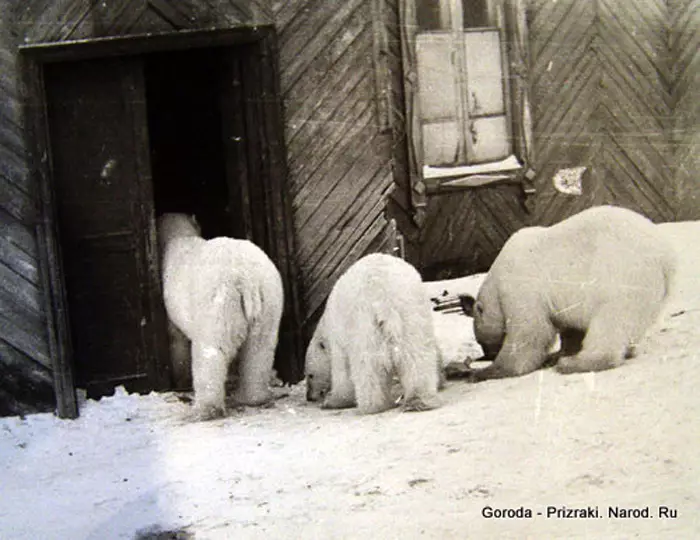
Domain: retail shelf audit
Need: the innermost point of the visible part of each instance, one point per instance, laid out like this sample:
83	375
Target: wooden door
99	142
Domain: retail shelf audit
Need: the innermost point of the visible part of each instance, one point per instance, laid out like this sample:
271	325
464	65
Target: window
466	91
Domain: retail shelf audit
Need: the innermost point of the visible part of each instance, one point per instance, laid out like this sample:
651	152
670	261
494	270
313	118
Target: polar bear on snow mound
377	324
599	279
226	297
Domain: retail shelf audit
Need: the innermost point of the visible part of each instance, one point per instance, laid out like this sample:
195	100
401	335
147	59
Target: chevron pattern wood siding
60	20
685	62
615	86
464	231
26	381
603	82
339	162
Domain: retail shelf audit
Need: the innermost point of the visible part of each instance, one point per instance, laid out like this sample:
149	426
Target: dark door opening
185	121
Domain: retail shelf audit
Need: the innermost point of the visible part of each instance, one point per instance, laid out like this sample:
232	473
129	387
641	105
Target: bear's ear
467	302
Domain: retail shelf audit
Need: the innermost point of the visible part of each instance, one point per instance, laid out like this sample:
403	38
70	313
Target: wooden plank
382	77
314	96
330	119
291	354
29	342
25	386
18	260
308	37
337	238
54	301
685	58
106	47
323	287
336	208
338	156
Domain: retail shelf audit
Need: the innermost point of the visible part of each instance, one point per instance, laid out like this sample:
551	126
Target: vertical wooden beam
409	28
48	247
382	73
519	70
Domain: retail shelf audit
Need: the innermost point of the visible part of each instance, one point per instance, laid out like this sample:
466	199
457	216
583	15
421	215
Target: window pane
489	139
441	143
484	73
475	13
436	77
428	14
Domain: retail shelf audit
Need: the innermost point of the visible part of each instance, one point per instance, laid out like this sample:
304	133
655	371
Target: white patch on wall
569	180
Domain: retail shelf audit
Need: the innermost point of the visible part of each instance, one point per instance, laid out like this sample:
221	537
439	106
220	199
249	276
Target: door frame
32	59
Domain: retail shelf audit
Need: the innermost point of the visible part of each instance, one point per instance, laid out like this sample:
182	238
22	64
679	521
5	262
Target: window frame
463	82
510	18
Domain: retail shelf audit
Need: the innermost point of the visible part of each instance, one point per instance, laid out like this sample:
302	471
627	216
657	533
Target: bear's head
318	367
172	225
489	323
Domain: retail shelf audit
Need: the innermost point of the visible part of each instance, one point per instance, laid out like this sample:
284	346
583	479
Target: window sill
440	179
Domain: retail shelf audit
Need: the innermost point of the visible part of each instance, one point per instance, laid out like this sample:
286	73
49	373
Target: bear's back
600	254
373	283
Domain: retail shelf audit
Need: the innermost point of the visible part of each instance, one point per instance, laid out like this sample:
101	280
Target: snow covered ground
133	467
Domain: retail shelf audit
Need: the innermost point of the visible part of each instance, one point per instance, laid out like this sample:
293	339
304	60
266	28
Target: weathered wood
101	173
685	61
612	117
270	187
380	57
324	285
57	328
341	236
18	260
107	47
25	386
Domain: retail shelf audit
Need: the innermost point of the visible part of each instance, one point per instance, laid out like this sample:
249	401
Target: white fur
377	324
599	279
225	296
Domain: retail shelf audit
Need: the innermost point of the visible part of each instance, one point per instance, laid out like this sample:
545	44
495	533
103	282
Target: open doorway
137	127
188	165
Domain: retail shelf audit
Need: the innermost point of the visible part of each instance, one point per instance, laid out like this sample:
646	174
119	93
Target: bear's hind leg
209	371
605	345
255	362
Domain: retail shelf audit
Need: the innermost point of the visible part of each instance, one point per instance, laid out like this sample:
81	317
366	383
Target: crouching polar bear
376	325
598	278
225	296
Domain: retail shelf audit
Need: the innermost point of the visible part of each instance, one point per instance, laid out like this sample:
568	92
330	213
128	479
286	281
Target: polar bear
226	297
598	279
377	323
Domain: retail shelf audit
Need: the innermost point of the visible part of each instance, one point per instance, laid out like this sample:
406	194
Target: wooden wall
684	16
603	75
26	382
339	139
339	157
614	86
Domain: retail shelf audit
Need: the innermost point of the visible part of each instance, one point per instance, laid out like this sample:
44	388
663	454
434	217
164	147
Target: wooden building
320	129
